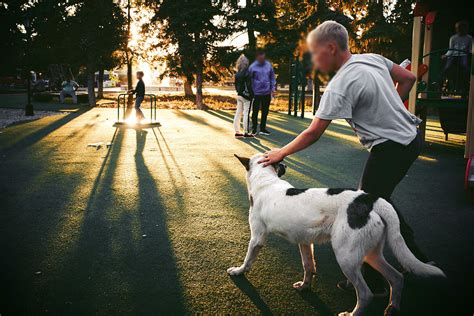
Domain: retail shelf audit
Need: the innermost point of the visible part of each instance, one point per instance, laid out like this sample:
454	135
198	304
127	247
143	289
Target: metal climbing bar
147	123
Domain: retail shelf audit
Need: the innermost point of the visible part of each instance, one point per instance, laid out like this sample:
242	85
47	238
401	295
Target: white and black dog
356	223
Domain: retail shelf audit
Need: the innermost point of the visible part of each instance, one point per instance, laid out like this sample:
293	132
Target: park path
151	223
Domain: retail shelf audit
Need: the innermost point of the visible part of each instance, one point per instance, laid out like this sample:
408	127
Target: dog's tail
399	248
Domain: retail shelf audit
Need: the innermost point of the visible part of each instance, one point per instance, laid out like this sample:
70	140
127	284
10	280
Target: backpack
242	88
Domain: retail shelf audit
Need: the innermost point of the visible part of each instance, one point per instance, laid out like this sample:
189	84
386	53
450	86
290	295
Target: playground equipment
452	105
446	92
127	112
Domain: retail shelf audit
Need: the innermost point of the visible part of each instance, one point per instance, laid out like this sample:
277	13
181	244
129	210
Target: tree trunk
188	89
199	100
250	29
90	86
100	84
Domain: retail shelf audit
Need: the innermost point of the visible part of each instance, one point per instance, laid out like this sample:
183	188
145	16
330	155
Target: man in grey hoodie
264	87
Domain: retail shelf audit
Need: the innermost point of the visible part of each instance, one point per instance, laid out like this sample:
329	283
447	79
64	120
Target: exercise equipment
126	119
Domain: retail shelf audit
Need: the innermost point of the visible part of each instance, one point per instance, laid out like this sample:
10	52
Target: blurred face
324	55
261	58
139	75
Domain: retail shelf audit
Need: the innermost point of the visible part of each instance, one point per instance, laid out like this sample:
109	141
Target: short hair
463	26
330	31
140	73
259	52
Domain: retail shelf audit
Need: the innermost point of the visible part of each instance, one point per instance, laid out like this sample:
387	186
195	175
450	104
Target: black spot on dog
335	191
359	209
295	191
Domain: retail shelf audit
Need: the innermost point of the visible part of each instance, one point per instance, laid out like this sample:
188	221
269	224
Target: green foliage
189	33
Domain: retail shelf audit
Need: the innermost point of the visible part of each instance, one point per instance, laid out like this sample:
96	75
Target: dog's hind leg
309	267
258	236
376	259
351	263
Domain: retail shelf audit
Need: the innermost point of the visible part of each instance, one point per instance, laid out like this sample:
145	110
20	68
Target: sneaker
239	135
265	132
249	135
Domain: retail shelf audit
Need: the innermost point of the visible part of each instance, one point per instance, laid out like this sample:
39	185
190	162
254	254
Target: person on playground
243	86
69	87
264	87
140	92
363	93
459	48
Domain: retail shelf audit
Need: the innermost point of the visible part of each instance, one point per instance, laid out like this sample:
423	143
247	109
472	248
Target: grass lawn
149	225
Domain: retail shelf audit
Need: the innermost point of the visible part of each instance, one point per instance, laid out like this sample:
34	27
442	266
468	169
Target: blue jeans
138	102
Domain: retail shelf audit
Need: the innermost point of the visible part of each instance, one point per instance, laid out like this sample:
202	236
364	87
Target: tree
96	31
191	30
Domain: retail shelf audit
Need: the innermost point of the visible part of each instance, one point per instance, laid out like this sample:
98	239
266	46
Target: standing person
140	92
264	87
69	87
243	86
363	93
460	45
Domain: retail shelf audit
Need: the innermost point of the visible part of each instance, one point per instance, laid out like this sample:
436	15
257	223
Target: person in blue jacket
264	87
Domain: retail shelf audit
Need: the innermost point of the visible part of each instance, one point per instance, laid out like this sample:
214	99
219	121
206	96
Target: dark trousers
260	102
387	165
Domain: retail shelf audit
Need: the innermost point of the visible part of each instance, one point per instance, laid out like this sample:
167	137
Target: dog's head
251	164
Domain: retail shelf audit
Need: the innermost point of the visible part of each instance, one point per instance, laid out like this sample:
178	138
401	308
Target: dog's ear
280	169
244	161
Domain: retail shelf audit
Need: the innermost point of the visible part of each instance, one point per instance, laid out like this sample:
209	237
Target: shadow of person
248	289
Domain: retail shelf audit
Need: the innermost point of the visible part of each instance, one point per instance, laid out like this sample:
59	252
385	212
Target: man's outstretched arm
308	137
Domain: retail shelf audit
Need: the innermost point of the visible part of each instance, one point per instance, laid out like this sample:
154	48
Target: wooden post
469	150
426	50
415	58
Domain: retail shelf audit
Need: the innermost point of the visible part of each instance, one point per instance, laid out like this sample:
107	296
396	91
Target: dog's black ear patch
244	161
280	169
335	191
359	209
295	191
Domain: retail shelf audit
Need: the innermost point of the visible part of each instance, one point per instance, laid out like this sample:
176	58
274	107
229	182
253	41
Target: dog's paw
301	286
345	314
235	271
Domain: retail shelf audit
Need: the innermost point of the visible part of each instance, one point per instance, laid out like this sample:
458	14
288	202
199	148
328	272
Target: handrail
445	49
124	95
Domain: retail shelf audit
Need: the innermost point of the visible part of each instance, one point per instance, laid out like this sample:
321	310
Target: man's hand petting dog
271	157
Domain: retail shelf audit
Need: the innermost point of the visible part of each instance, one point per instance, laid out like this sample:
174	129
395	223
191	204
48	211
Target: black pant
260	102
387	165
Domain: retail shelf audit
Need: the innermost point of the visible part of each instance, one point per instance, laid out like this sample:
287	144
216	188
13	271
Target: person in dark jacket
243	86
140	92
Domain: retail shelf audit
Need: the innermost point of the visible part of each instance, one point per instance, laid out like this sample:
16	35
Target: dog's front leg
309	267
258	236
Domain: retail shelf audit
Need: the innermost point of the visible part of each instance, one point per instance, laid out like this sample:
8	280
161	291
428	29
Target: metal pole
29	107
290	90
128	55
118	108
303	96
296	88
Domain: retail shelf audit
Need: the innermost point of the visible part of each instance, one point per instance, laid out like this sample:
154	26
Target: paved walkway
150	224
